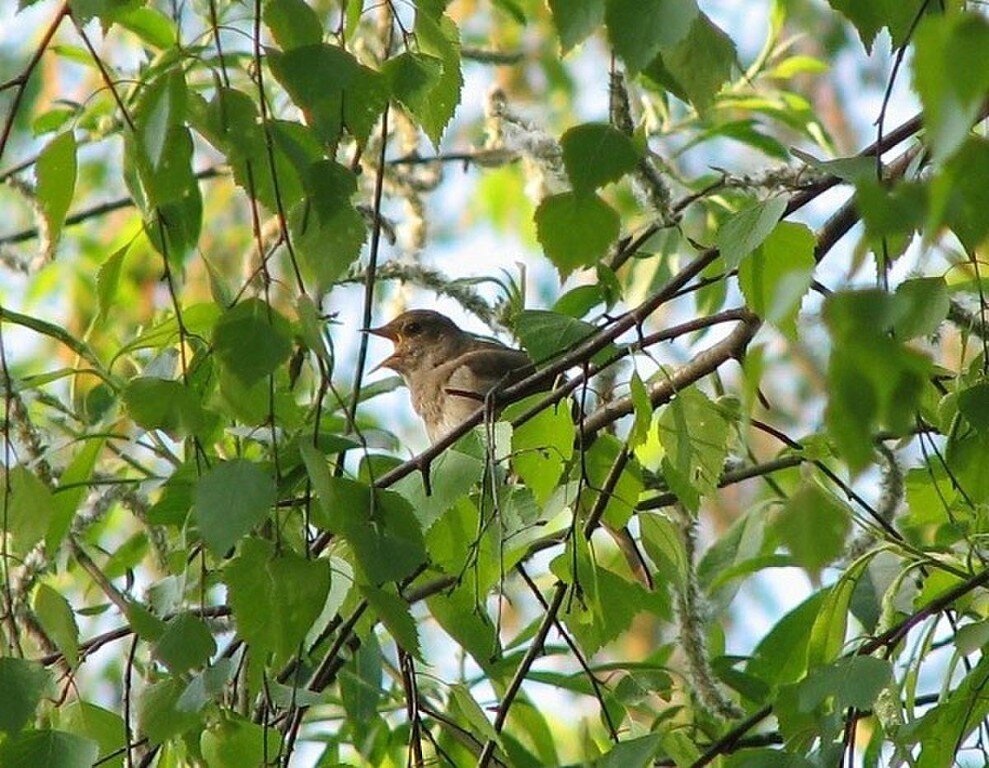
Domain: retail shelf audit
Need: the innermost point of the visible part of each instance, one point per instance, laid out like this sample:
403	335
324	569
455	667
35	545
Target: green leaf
575	230
873	379
699	64
230	499
149	24
158	715
276	597
775	278
187	643
597	463
163	404
55	172
596	154
634	753
695	437
108	278
869	18
104	727
973	404
58	621
360	682
439	37
380	526
22	684
471	630
470	710
642	408
575	20
542	446
453	474
251	341
814	526
637	29
958	199
663	541
394	613
158	167
922	305
827	636
292	23
951	74
72	490
547	335
29	510
327	230
746	230
235	741
332	89
853	682
48	748
413	77
781	656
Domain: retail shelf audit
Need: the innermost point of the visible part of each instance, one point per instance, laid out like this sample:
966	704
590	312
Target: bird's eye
412	328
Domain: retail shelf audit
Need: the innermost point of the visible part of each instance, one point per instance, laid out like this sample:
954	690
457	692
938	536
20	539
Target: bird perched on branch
448	371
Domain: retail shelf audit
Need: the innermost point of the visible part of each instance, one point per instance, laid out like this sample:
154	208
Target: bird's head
422	338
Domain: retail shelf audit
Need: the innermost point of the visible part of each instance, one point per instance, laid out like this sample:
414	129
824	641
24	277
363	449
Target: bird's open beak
383	331
388	362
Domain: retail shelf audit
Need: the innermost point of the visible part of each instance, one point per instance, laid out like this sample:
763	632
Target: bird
449	371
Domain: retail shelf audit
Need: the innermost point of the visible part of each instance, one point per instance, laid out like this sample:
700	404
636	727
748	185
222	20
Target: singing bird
448	371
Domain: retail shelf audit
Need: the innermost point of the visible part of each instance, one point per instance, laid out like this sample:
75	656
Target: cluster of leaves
195	483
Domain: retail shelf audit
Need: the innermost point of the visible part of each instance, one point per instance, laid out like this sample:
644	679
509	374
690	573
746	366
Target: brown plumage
448	371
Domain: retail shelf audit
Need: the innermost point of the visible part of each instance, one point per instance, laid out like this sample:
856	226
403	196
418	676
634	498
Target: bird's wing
496	363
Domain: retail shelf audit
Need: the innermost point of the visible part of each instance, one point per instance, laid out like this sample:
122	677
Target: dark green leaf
360	683
332	89
251	341
637	29
413	78
149	24
187	643
576	19
56	175
22	684
634	753
873	378
814	526
700	63
439	37
453	475
394	613
51	749
596	154
922	304
781	656
853	682
159	717
959	199
871	17
380	526
292	23
746	230
163	404
575	230
973	404
547	335
231	499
